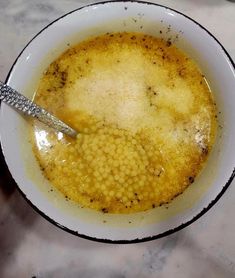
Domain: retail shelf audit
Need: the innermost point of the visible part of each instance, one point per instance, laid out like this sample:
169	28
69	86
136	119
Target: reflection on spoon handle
28	107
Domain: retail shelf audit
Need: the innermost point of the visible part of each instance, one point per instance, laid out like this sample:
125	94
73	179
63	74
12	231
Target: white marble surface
32	247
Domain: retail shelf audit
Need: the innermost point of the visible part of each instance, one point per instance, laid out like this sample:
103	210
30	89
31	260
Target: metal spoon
28	107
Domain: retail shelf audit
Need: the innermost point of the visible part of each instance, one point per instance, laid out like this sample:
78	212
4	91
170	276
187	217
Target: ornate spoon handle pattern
28	107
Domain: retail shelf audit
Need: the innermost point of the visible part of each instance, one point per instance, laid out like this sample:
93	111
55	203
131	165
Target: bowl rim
137	240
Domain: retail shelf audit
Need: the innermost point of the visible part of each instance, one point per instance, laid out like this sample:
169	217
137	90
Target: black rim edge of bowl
137	240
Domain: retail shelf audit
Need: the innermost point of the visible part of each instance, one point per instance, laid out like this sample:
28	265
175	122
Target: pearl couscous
146	117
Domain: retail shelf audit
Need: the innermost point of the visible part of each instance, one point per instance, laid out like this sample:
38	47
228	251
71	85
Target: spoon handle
28	107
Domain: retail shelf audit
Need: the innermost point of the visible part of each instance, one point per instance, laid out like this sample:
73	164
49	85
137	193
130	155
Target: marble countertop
32	247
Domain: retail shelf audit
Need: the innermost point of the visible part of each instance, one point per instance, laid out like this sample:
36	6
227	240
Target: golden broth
146	116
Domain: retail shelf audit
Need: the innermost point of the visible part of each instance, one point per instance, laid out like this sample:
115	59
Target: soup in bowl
150	92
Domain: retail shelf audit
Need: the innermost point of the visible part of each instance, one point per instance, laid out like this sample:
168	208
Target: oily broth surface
146	116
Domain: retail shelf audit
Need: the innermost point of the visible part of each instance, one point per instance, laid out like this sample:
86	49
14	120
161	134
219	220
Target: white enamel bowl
96	19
